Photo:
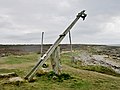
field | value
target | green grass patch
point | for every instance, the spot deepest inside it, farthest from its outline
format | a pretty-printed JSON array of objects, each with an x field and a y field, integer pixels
[
  {"x": 12, "y": 59},
  {"x": 17, "y": 71},
  {"x": 100, "y": 69},
  {"x": 60, "y": 78},
  {"x": 63, "y": 82},
  {"x": 96, "y": 68}
]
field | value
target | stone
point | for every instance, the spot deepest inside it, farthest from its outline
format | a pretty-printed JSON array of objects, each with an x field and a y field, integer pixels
[
  {"x": 8, "y": 75},
  {"x": 42, "y": 71},
  {"x": 32, "y": 79},
  {"x": 16, "y": 80}
]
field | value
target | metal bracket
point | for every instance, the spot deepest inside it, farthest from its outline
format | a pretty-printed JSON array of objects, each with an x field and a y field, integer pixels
[{"x": 82, "y": 14}]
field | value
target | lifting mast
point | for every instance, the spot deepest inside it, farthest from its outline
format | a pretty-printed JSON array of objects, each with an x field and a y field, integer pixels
[{"x": 42, "y": 59}]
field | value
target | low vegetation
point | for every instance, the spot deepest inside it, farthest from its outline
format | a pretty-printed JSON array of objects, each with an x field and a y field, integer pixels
[{"x": 73, "y": 77}]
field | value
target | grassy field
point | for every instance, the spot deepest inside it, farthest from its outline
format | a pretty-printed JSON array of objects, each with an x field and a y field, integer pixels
[{"x": 83, "y": 78}]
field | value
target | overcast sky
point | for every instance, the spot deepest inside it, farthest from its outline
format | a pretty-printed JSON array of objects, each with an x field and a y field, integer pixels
[{"x": 22, "y": 21}]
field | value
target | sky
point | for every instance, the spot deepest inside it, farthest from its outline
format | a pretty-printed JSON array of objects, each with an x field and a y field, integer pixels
[{"x": 23, "y": 21}]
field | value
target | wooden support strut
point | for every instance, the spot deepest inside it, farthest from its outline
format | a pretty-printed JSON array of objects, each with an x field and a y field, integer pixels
[
  {"x": 53, "y": 47},
  {"x": 70, "y": 39},
  {"x": 55, "y": 61}
]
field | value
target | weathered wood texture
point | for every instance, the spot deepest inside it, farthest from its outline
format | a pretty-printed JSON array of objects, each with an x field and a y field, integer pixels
[{"x": 55, "y": 61}]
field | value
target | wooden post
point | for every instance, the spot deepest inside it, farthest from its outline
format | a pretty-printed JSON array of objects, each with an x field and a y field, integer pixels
[
  {"x": 70, "y": 39},
  {"x": 55, "y": 61},
  {"x": 42, "y": 44}
]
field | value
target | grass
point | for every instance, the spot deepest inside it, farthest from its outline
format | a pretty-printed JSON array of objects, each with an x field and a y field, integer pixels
[
  {"x": 85, "y": 78},
  {"x": 12, "y": 59},
  {"x": 97, "y": 68}
]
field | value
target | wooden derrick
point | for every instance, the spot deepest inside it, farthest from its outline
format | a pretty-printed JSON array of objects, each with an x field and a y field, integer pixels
[{"x": 50, "y": 51}]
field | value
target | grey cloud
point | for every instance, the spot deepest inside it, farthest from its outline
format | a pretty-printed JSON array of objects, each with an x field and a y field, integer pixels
[{"x": 22, "y": 21}]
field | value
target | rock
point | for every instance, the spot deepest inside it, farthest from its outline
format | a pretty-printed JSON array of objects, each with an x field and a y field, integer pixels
[
  {"x": 7, "y": 75},
  {"x": 3, "y": 55},
  {"x": 33, "y": 79},
  {"x": 42, "y": 71},
  {"x": 45, "y": 65},
  {"x": 16, "y": 80},
  {"x": 54, "y": 77}
]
